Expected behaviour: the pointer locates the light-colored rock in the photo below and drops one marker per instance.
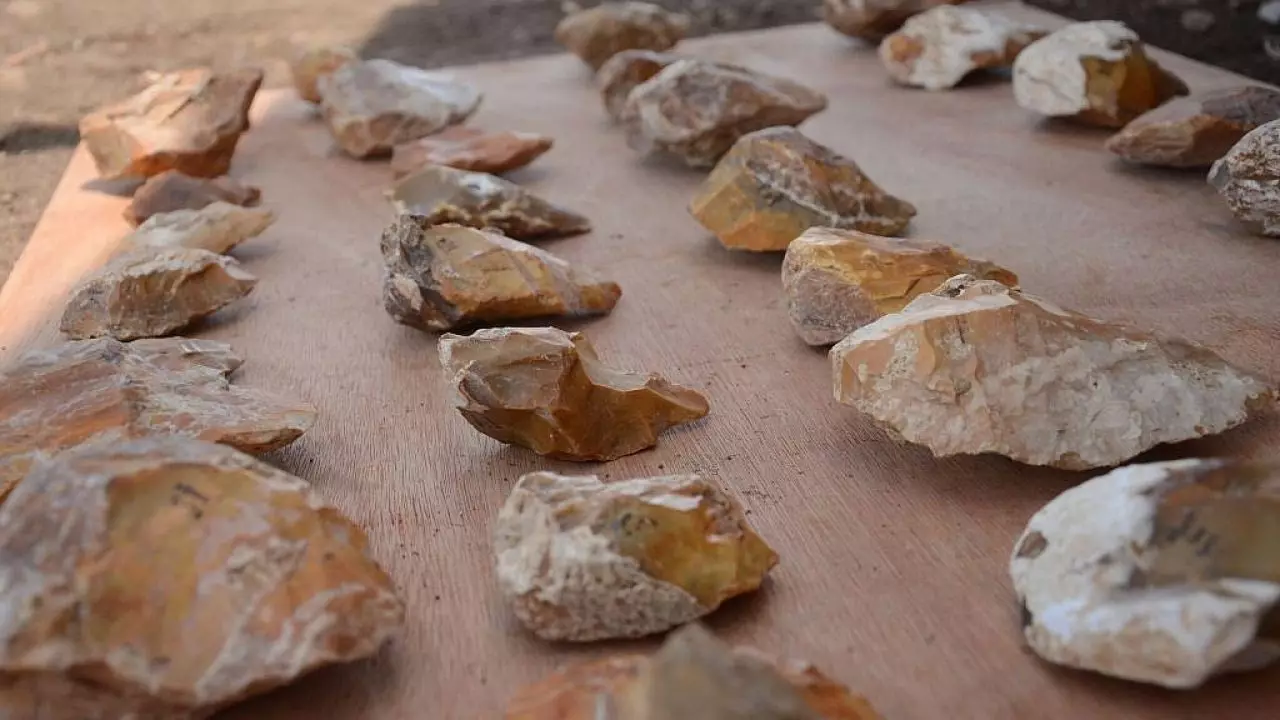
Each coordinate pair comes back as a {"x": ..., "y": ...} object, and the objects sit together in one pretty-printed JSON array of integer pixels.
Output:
[
  {"x": 314, "y": 63},
  {"x": 976, "y": 367},
  {"x": 446, "y": 277},
  {"x": 171, "y": 191},
  {"x": 107, "y": 391},
  {"x": 445, "y": 195},
  {"x": 872, "y": 20},
  {"x": 187, "y": 575},
  {"x": 468, "y": 148},
  {"x": 1248, "y": 178},
  {"x": 582, "y": 560},
  {"x": 218, "y": 228},
  {"x": 624, "y": 72},
  {"x": 545, "y": 389},
  {"x": 837, "y": 281},
  {"x": 696, "y": 110},
  {"x": 1196, "y": 131},
  {"x": 693, "y": 677},
  {"x": 154, "y": 292},
  {"x": 189, "y": 121},
  {"x": 1096, "y": 73},
  {"x": 936, "y": 49},
  {"x": 597, "y": 34},
  {"x": 373, "y": 105},
  {"x": 776, "y": 183},
  {"x": 1166, "y": 573}
]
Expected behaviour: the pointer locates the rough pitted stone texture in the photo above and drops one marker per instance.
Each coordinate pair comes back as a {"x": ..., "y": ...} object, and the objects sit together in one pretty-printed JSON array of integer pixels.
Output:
[
  {"x": 1166, "y": 573},
  {"x": 976, "y": 367},
  {"x": 218, "y": 228},
  {"x": 171, "y": 191},
  {"x": 872, "y": 20},
  {"x": 105, "y": 390},
  {"x": 446, "y": 277},
  {"x": 693, "y": 677},
  {"x": 467, "y": 148},
  {"x": 545, "y": 389},
  {"x": 599, "y": 33},
  {"x": 314, "y": 63},
  {"x": 837, "y": 281},
  {"x": 936, "y": 49},
  {"x": 154, "y": 292},
  {"x": 1198, "y": 130},
  {"x": 583, "y": 560},
  {"x": 188, "y": 121},
  {"x": 1096, "y": 73},
  {"x": 626, "y": 71},
  {"x": 371, "y": 106},
  {"x": 776, "y": 183},
  {"x": 1248, "y": 178},
  {"x": 445, "y": 195},
  {"x": 696, "y": 110},
  {"x": 187, "y": 575}
]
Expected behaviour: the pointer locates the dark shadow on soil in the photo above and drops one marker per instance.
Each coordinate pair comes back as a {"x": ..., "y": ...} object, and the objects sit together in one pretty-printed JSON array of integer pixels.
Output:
[{"x": 25, "y": 137}]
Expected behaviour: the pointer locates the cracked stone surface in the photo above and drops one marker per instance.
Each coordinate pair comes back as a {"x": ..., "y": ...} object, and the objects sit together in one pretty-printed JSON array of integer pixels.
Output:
[
  {"x": 872, "y": 20},
  {"x": 1248, "y": 179},
  {"x": 189, "y": 121},
  {"x": 546, "y": 390},
  {"x": 626, "y": 71},
  {"x": 1196, "y": 131},
  {"x": 373, "y": 105},
  {"x": 196, "y": 576},
  {"x": 776, "y": 183},
  {"x": 1166, "y": 573},
  {"x": 314, "y": 63},
  {"x": 468, "y": 148},
  {"x": 694, "y": 676},
  {"x": 171, "y": 191},
  {"x": 696, "y": 110},
  {"x": 581, "y": 560},
  {"x": 445, "y": 195},
  {"x": 446, "y": 277},
  {"x": 1096, "y": 73},
  {"x": 976, "y": 367},
  {"x": 837, "y": 281},
  {"x": 217, "y": 227},
  {"x": 938, "y": 48},
  {"x": 597, "y": 34},
  {"x": 109, "y": 391}
]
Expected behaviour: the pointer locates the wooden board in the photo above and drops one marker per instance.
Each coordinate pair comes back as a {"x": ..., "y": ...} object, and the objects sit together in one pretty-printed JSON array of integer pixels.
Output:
[{"x": 893, "y": 574}]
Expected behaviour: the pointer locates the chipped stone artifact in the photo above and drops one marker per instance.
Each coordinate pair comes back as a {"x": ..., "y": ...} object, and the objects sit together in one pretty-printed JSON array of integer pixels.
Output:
[
  {"x": 1096, "y": 73},
  {"x": 583, "y": 560},
  {"x": 217, "y": 227},
  {"x": 624, "y": 72},
  {"x": 545, "y": 389},
  {"x": 373, "y": 105},
  {"x": 872, "y": 20},
  {"x": 1164, "y": 573},
  {"x": 467, "y": 148},
  {"x": 1248, "y": 178},
  {"x": 696, "y": 110},
  {"x": 189, "y": 121},
  {"x": 445, "y": 277},
  {"x": 445, "y": 195},
  {"x": 977, "y": 367},
  {"x": 314, "y": 63},
  {"x": 171, "y": 190},
  {"x": 693, "y": 676},
  {"x": 196, "y": 575},
  {"x": 776, "y": 183},
  {"x": 597, "y": 34},
  {"x": 936, "y": 49},
  {"x": 105, "y": 390},
  {"x": 1195, "y": 131},
  {"x": 836, "y": 281},
  {"x": 154, "y": 292}
]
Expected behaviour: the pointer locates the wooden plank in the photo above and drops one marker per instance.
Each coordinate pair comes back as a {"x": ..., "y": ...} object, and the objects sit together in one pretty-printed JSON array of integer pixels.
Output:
[{"x": 893, "y": 574}]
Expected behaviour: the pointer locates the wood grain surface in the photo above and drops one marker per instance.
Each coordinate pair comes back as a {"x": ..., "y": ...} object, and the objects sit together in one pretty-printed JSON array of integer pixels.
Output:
[{"x": 893, "y": 575}]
